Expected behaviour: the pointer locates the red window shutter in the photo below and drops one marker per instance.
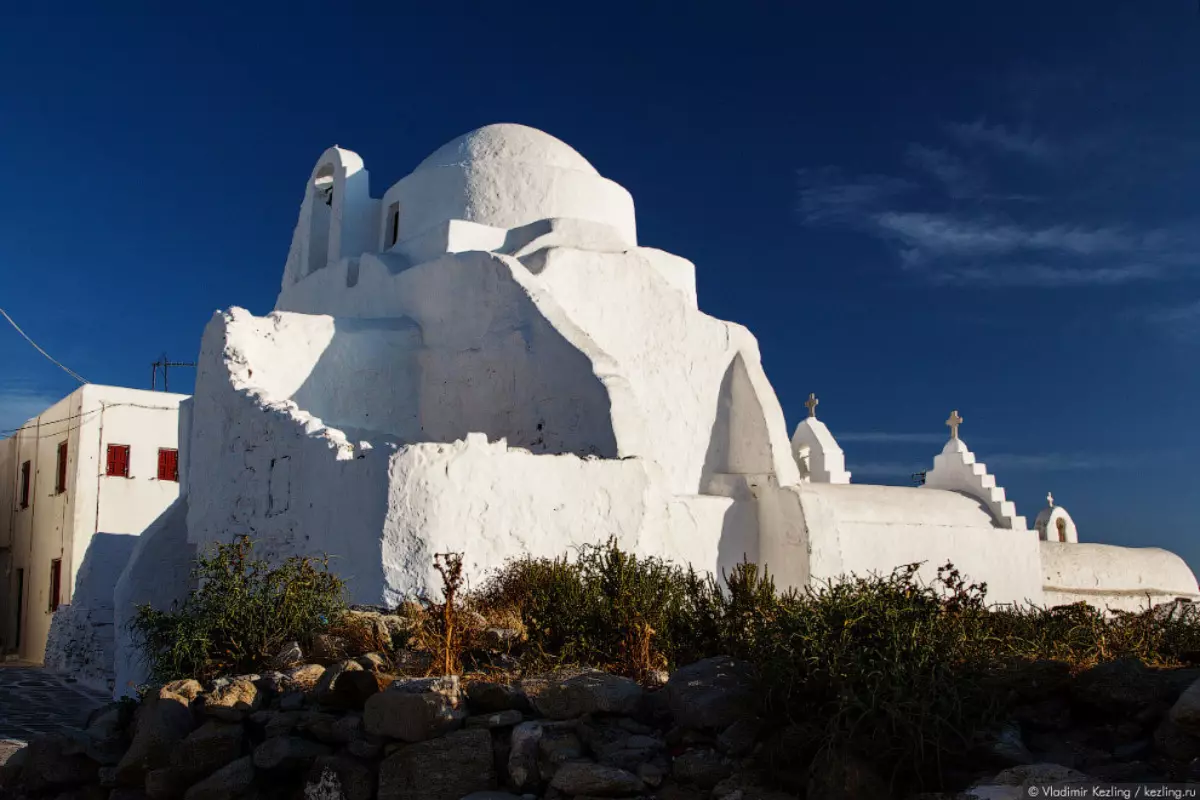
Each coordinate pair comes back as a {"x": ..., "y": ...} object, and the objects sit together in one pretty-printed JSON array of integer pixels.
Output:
[
  {"x": 55, "y": 584},
  {"x": 118, "y": 461},
  {"x": 60, "y": 484},
  {"x": 168, "y": 464}
]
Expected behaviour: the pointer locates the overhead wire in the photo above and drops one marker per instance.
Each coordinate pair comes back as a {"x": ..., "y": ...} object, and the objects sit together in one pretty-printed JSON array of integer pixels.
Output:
[{"x": 38, "y": 347}]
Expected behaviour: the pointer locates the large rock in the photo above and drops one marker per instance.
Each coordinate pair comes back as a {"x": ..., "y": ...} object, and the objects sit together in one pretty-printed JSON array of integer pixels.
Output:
[
  {"x": 165, "y": 783},
  {"x": 487, "y": 697},
  {"x": 51, "y": 762},
  {"x": 413, "y": 711},
  {"x": 841, "y": 775},
  {"x": 303, "y": 678},
  {"x": 187, "y": 688},
  {"x": 573, "y": 694},
  {"x": 207, "y": 749},
  {"x": 339, "y": 778},
  {"x": 523, "y": 755},
  {"x": 228, "y": 782},
  {"x": 287, "y": 753},
  {"x": 1120, "y": 689},
  {"x": 439, "y": 769},
  {"x": 1185, "y": 714},
  {"x": 1016, "y": 783},
  {"x": 703, "y": 768},
  {"x": 163, "y": 721},
  {"x": 710, "y": 694},
  {"x": 596, "y": 780},
  {"x": 233, "y": 702}
]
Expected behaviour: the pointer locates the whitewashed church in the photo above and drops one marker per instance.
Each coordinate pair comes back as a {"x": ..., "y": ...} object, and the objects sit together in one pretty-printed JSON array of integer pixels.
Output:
[{"x": 483, "y": 359}]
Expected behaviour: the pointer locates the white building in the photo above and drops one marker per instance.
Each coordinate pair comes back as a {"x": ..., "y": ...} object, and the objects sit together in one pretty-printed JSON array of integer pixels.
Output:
[
  {"x": 484, "y": 360},
  {"x": 80, "y": 481}
]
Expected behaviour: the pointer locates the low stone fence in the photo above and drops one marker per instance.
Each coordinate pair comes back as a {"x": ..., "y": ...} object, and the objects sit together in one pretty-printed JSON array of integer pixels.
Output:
[{"x": 348, "y": 731}]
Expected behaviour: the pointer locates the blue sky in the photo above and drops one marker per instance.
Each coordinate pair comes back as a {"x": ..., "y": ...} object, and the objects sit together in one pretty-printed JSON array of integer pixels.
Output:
[{"x": 916, "y": 207}]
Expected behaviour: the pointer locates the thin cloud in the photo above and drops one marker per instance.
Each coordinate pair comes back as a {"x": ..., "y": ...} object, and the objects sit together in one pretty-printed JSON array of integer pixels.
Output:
[
  {"x": 957, "y": 178},
  {"x": 1053, "y": 462},
  {"x": 19, "y": 404},
  {"x": 827, "y": 195},
  {"x": 1003, "y": 139},
  {"x": 887, "y": 437}
]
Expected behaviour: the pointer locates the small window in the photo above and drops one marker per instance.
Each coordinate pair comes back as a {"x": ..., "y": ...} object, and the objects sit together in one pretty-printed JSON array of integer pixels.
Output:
[
  {"x": 60, "y": 480},
  {"x": 393, "y": 225},
  {"x": 55, "y": 583},
  {"x": 168, "y": 464},
  {"x": 118, "y": 461},
  {"x": 25, "y": 485}
]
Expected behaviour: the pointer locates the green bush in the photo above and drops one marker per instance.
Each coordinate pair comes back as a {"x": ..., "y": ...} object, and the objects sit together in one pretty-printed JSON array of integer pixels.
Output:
[{"x": 240, "y": 615}]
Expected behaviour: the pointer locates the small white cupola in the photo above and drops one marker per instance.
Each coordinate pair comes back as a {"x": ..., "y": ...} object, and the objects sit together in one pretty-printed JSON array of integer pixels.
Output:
[
  {"x": 1054, "y": 524},
  {"x": 816, "y": 451}
]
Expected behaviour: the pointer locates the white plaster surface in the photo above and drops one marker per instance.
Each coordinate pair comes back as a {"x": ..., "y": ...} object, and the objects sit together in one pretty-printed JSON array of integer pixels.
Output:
[
  {"x": 956, "y": 469},
  {"x": 817, "y": 453},
  {"x": 862, "y": 529},
  {"x": 1048, "y": 522},
  {"x": 1122, "y": 578}
]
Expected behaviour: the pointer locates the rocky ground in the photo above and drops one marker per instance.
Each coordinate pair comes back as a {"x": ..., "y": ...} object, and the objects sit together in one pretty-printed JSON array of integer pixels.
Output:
[{"x": 347, "y": 729}]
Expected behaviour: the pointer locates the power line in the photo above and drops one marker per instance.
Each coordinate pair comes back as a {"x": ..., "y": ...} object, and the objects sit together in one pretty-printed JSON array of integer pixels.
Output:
[
  {"x": 63, "y": 367},
  {"x": 9, "y": 431}
]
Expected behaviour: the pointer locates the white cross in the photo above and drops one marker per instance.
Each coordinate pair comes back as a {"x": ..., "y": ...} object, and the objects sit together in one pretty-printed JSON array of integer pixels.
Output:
[
  {"x": 954, "y": 421},
  {"x": 1050, "y": 499},
  {"x": 811, "y": 405}
]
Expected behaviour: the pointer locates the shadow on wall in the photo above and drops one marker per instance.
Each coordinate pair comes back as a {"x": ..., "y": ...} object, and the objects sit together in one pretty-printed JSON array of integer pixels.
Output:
[
  {"x": 106, "y": 557},
  {"x": 158, "y": 572},
  {"x": 739, "y": 443},
  {"x": 473, "y": 354}
]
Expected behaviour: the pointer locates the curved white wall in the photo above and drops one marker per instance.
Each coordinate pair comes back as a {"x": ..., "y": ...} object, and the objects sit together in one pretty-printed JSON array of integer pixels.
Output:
[
  {"x": 507, "y": 194},
  {"x": 1122, "y": 578}
]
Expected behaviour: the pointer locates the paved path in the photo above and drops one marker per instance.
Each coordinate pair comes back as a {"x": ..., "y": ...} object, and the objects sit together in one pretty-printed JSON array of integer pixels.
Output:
[{"x": 34, "y": 701}]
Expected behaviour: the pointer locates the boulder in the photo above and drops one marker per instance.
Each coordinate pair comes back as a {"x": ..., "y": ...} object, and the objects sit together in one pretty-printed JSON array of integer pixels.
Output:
[
  {"x": 327, "y": 648},
  {"x": 703, "y": 768},
  {"x": 228, "y": 782},
  {"x": 500, "y": 719},
  {"x": 1185, "y": 714},
  {"x": 340, "y": 687},
  {"x": 373, "y": 662},
  {"x": 439, "y": 769},
  {"x": 303, "y": 678},
  {"x": 558, "y": 744},
  {"x": 486, "y": 697},
  {"x": 739, "y": 738},
  {"x": 1016, "y": 782},
  {"x": 339, "y": 778},
  {"x": 841, "y": 775},
  {"x": 567, "y": 695},
  {"x": 290, "y": 655},
  {"x": 233, "y": 702},
  {"x": 347, "y": 729},
  {"x": 1119, "y": 689},
  {"x": 287, "y": 753},
  {"x": 165, "y": 783},
  {"x": 188, "y": 688},
  {"x": 597, "y": 780},
  {"x": 50, "y": 762},
  {"x": 409, "y": 716},
  {"x": 710, "y": 694},
  {"x": 523, "y": 755},
  {"x": 162, "y": 722},
  {"x": 206, "y": 749}
]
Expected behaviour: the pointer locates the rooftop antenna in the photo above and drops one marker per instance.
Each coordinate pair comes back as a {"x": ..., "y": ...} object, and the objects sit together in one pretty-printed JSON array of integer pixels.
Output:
[{"x": 165, "y": 364}]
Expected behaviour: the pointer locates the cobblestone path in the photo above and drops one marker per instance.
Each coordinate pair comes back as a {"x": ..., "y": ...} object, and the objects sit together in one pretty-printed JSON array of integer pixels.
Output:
[{"x": 34, "y": 701}]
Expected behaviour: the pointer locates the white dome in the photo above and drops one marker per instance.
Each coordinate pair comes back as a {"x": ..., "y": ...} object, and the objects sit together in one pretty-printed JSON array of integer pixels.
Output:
[
  {"x": 507, "y": 176},
  {"x": 507, "y": 142}
]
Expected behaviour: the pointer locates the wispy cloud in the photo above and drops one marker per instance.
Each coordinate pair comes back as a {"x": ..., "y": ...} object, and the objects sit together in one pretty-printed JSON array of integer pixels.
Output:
[
  {"x": 19, "y": 403},
  {"x": 1053, "y": 462},
  {"x": 959, "y": 216},
  {"x": 888, "y": 437},
  {"x": 1020, "y": 142},
  {"x": 827, "y": 195}
]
